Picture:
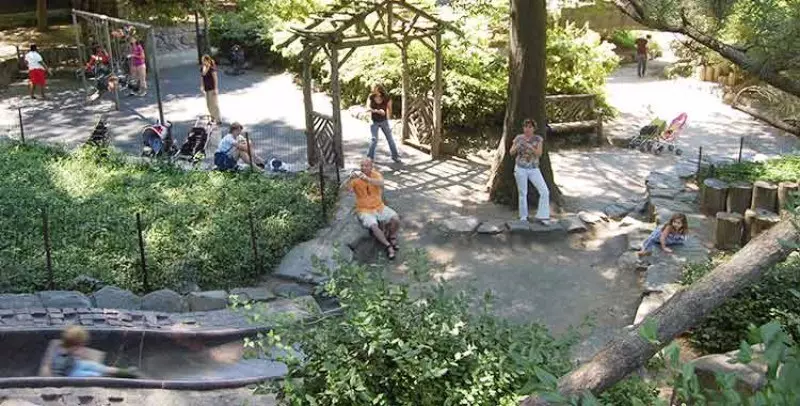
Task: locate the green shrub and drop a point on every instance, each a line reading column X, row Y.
column 780, row 169
column 253, row 35
column 632, row 391
column 196, row 223
column 626, row 40
column 774, row 296
column 393, row 347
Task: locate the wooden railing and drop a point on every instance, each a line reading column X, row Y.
column 324, row 137
column 420, row 122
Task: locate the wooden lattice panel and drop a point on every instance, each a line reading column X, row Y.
column 420, row 120
column 570, row 108
column 323, row 135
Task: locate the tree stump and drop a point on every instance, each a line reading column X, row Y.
column 756, row 222
column 740, row 197
column 713, row 196
column 785, row 192
column 765, row 196
column 729, row 230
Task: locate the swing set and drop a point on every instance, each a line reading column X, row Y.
column 108, row 66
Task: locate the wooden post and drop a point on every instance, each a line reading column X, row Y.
column 713, row 196
column 765, row 196
column 81, row 54
column 728, row 231
column 406, row 92
column 152, row 53
column 107, row 32
column 311, row 144
column 757, row 221
column 48, row 261
column 785, row 192
column 740, row 196
column 145, row 279
column 254, row 243
column 335, row 100
column 21, row 125
column 436, row 141
column 249, row 150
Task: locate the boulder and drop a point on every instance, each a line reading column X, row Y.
column 630, row 261
column 750, row 377
column 460, row 224
column 112, row 297
column 654, row 300
column 208, row 300
column 662, row 209
column 20, row 301
column 619, row 210
column 303, row 261
column 592, row 217
column 687, row 197
column 573, row 224
column 64, row 298
column 662, row 274
column 518, row 226
column 489, row 227
column 291, row 290
column 164, row 300
column 253, row 294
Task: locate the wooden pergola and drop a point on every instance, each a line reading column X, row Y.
column 357, row 23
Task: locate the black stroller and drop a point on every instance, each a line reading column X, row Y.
column 155, row 139
column 194, row 148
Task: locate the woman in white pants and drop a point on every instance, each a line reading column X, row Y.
column 528, row 148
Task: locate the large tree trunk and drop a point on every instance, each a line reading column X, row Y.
column 628, row 352
column 41, row 15
column 526, row 90
column 636, row 10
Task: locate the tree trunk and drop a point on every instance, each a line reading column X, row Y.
column 713, row 196
column 41, row 15
column 765, row 196
column 785, row 192
column 740, row 196
column 728, row 231
column 526, row 91
column 629, row 351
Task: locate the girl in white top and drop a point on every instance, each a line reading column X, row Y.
column 37, row 71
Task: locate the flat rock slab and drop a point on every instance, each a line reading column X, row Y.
column 750, row 377
column 535, row 228
column 253, row 294
column 652, row 301
column 661, row 275
column 460, row 224
column 64, row 298
column 20, row 301
column 208, row 300
column 619, row 210
column 592, row 217
column 662, row 209
column 301, row 263
column 112, row 297
column 292, row 290
column 164, row 300
column 630, row 261
column 489, row 227
column 573, row 224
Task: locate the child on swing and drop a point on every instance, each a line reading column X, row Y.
column 672, row 233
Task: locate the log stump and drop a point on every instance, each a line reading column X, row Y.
column 785, row 192
column 740, row 197
column 728, row 231
column 756, row 222
column 765, row 196
column 713, row 196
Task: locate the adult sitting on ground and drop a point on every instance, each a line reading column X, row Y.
column 234, row 147
column 367, row 184
column 70, row 360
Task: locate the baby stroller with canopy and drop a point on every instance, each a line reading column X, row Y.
column 194, row 148
column 154, row 138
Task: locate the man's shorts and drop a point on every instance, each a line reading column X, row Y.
column 37, row 76
column 371, row 219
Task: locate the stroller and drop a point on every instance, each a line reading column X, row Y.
column 194, row 148
column 660, row 138
column 648, row 133
column 154, row 138
column 237, row 61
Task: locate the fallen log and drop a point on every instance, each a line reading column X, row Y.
column 629, row 351
column 769, row 120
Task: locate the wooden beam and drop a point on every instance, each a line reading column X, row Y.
column 311, row 142
column 389, row 19
column 378, row 41
column 335, row 100
column 432, row 47
column 436, row 141
column 411, row 25
column 405, row 90
column 346, row 56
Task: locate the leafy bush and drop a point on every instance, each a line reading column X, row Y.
column 633, row 391
column 196, row 223
column 774, row 296
column 780, row 169
column 626, row 40
column 393, row 347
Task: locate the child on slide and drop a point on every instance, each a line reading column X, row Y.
column 69, row 359
column 672, row 233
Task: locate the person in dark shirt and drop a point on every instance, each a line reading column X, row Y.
column 380, row 106
column 641, row 55
column 209, row 85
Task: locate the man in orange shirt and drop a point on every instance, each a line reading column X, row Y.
column 367, row 185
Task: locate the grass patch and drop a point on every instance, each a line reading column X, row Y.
column 196, row 223
column 781, row 169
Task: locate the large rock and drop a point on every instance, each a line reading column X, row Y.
column 592, row 217
column 662, row 274
column 20, row 301
column 654, row 300
column 460, row 224
column 663, row 185
column 164, row 300
column 112, row 297
column 619, row 210
column 290, row 290
column 303, row 261
column 630, row 261
column 489, row 227
column 64, row 298
column 662, row 209
column 208, row 300
column 253, row 294
column 573, row 224
column 750, row 377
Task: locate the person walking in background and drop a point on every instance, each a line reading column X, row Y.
column 641, row 55
column 528, row 148
column 209, row 85
column 37, row 71
column 138, row 65
column 380, row 106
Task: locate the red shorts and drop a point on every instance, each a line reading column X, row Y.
column 37, row 76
